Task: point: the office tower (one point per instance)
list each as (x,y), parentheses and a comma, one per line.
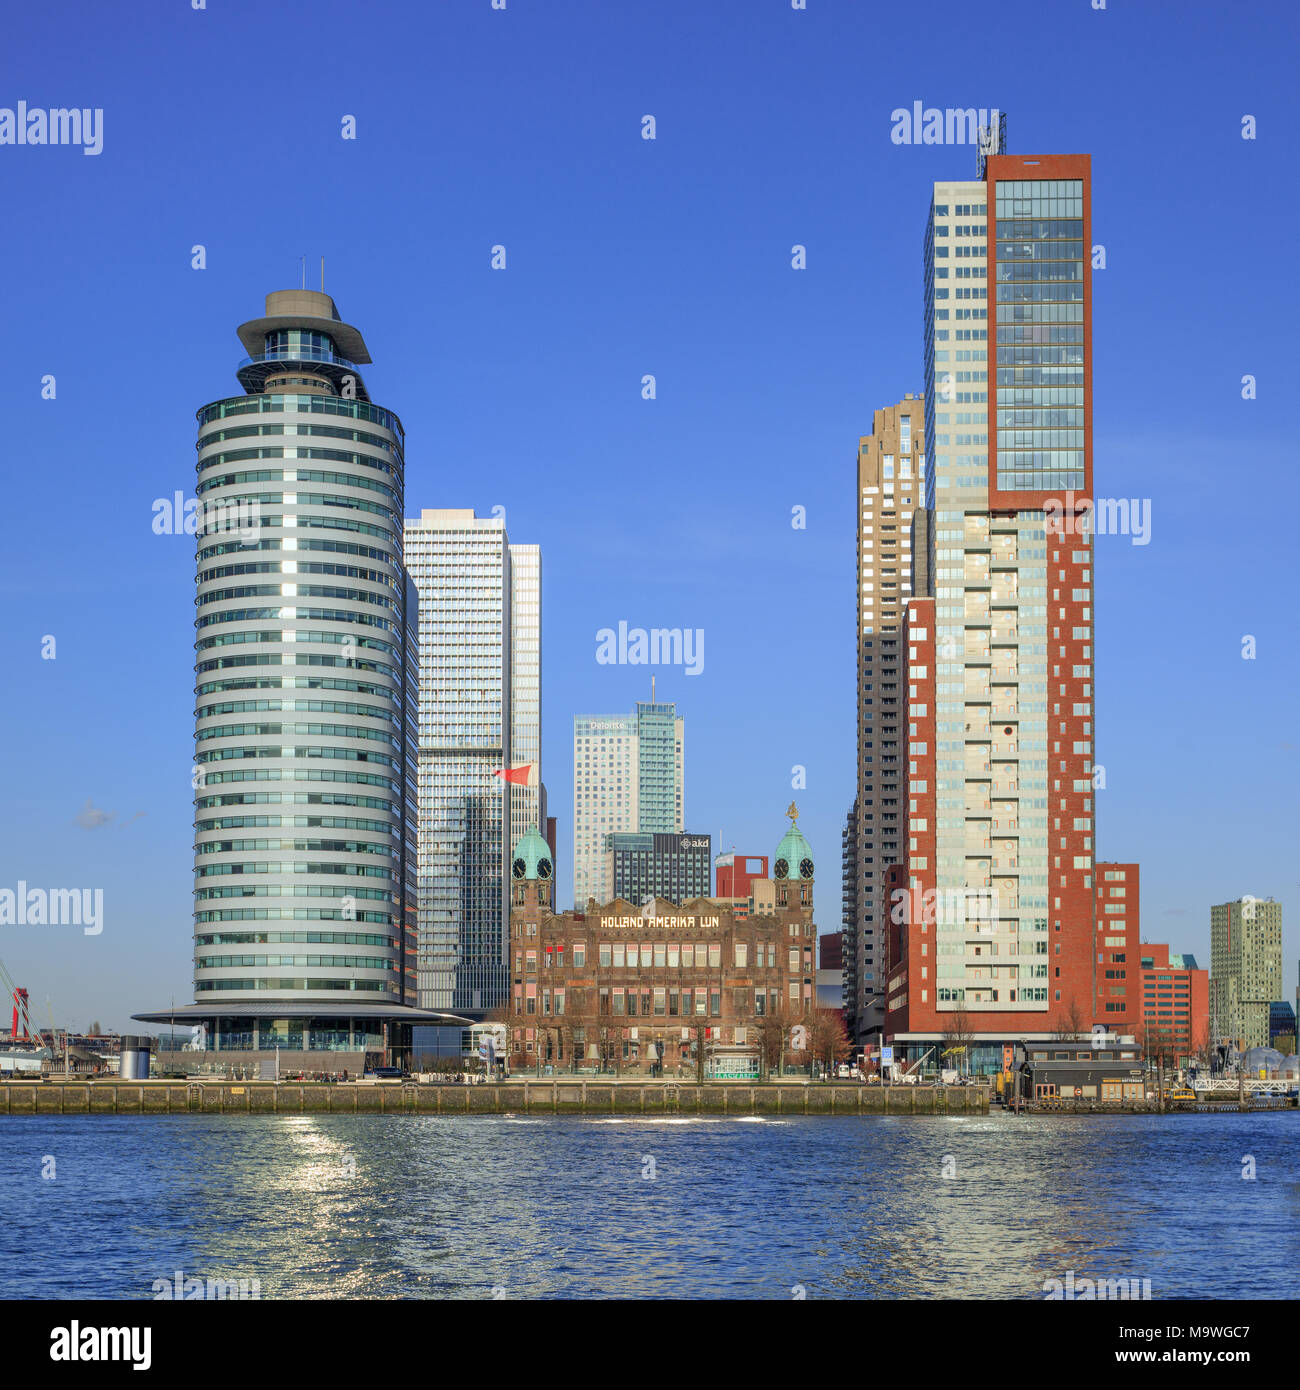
(1119,933)
(643,864)
(659,767)
(480,670)
(1245,969)
(890,483)
(305,720)
(1175,1004)
(999,852)
(627,776)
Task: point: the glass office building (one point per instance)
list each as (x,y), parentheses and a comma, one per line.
(643,864)
(627,776)
(480,710)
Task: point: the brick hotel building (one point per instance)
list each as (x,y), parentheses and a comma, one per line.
(640,991)
(998,642)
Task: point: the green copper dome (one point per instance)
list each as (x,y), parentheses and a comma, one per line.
(794,856)
(532,857)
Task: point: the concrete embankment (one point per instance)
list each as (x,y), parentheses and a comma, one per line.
(543,1097)
(1230,1106)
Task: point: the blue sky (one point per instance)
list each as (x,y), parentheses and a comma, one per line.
(522,388)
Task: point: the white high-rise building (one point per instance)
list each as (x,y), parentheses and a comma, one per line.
(628,774)
(480,710)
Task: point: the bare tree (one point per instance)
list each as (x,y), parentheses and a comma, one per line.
(1069,1022)
(773,1031)
(957,1037)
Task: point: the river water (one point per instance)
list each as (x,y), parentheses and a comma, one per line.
(319,1206)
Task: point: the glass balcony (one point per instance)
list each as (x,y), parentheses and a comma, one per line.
(298,354)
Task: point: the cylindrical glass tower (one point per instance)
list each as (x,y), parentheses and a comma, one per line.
(304,678)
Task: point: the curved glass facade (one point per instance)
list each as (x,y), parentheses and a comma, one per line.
(305,712)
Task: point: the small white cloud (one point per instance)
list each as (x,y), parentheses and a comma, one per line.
(90,818)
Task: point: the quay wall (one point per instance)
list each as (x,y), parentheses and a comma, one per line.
(113,1097)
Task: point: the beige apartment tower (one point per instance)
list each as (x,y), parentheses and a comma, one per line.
(890,490)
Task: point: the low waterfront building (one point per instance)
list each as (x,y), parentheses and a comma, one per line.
(1097,1066)
(669,988)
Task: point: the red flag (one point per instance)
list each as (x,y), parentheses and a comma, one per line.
(522,774)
